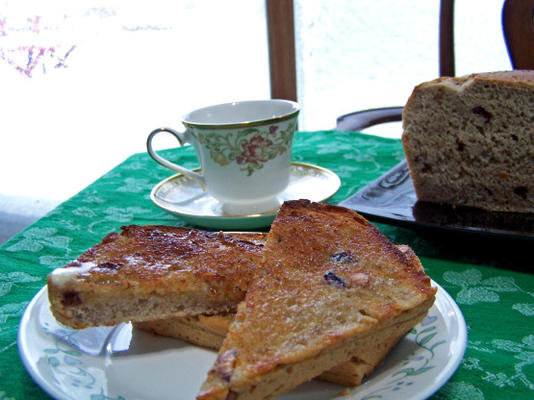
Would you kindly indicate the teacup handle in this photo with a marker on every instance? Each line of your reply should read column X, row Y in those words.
column 166, row 163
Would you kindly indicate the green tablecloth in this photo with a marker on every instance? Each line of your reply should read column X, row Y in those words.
column 492, row 284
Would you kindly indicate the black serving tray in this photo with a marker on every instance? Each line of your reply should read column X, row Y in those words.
column 391, row 199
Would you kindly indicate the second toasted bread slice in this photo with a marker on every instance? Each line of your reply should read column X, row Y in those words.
column 330, row 286
column 154, row 271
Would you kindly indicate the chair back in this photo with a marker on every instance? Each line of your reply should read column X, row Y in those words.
column 518, row 30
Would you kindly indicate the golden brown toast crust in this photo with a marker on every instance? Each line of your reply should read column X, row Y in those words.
column 329, row 278
column 153, row 271
column 201, row 330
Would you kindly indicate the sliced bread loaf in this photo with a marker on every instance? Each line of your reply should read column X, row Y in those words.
column 469, row 141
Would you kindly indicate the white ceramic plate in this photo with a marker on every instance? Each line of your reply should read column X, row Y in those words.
column 124, row 363
column 184, row 198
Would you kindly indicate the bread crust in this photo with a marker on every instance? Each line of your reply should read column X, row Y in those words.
column 329, row 279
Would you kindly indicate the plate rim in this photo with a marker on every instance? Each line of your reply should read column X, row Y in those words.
column 446, row 372
column 24, row 324
column 454, row 362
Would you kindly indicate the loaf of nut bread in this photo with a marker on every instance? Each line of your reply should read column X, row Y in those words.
column 330, row 286
column 154, row 271
column 469, row 141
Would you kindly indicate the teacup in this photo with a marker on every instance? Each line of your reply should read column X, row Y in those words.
column 244, row 151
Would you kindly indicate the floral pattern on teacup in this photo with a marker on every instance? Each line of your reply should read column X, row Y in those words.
column 250, row 148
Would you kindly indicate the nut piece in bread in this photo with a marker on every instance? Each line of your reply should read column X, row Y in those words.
column 153, row 271
column 469, row 141
column 330, row 286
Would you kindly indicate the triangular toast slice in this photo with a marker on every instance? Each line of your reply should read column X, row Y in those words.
column 330, row 286
column 210, row 330
column 153, row 271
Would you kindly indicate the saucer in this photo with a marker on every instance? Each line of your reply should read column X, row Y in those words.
column 183, row 197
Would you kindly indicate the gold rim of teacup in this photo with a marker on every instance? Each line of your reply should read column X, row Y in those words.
column 244, row 124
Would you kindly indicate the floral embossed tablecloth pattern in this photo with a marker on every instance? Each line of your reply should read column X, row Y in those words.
column 498, row 303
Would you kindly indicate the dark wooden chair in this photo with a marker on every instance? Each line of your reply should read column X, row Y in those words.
column 518, row 30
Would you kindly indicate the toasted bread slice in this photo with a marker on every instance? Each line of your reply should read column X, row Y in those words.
column 330, row 285
column 148, row 272
column 201, row 330
column 209, row 331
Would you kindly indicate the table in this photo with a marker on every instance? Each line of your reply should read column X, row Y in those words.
column 491, row 282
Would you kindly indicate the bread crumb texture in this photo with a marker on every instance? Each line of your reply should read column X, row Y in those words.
column 469, row 141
